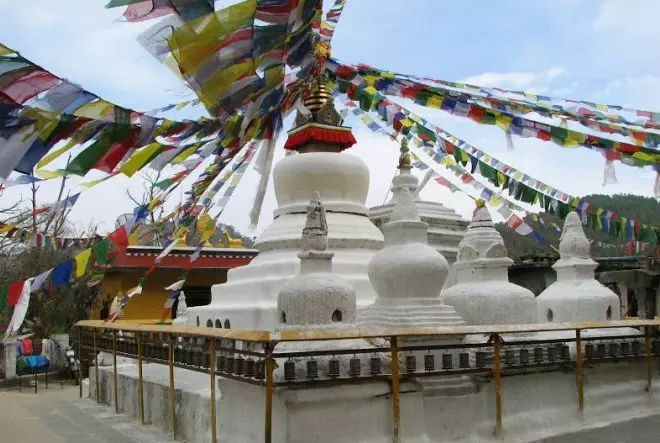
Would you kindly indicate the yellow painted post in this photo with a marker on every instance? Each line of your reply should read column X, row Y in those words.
column 96, row 368
column 138, row 338
column 579, row 369
column 170, row 362
column 497, row 368
column 270, row 367
column 649, row 358
column 396, row 413
column 114, row 369
column 79, row 358
column 212, row 374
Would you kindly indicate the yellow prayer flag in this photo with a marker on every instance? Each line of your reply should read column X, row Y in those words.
column 140, row 158
column 503, row 121
column 181, row 105
column 434, row 101
column 95, row 110
column 5, row 50
column 181, row 156
column 448, row 160
column 47, row 175
column 134, row 238
column 92, row 183
column 81, row 262
column 495, row 200
column 518, row 175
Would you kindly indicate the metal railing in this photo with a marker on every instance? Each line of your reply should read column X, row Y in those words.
column 251, row 356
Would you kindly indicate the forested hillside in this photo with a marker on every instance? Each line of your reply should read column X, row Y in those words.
column 643, row 209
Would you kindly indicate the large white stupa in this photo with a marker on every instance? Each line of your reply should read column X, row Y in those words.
column 249, row 297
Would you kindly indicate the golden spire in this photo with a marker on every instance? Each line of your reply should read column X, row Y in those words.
column 404, row 159
column 317, row 96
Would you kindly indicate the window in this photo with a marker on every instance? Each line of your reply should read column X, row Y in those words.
column 550, row 315
column 198, row 321
column 227, row 324
column 336, row 316
column 283, row 317
column 209, row 323
column 608, row 314
column 218, row 323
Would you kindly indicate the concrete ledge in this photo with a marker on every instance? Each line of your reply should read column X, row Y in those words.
column 535, row 406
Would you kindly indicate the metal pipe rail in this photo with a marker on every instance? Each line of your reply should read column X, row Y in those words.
column 250, row 356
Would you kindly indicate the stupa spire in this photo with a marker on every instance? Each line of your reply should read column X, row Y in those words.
column 318, row 126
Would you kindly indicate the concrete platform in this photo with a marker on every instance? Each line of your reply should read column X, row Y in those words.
column 58, row 415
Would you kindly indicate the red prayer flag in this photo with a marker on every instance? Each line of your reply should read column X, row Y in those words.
column 119, row 237
column 14, row 293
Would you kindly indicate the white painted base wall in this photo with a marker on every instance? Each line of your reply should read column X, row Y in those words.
column 534, row 406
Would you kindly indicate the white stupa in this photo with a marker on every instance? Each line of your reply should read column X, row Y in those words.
column 483, row 294
column 249, row 297
column 181, row 317
column 445, row 227
column 576, row 296
column 407, row 274
column 316, row 298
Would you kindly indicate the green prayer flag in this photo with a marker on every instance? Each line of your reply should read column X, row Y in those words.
column 100, row 251
column 4, row 290
column 86, row 159
column 648, row 235
column 427, row 136
column 488, row 172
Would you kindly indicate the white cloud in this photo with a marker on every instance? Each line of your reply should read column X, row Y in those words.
column 535, row 82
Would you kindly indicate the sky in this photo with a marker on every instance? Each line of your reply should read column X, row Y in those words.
column 603, row 51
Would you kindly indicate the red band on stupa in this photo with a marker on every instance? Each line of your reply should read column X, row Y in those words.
column 315, row 132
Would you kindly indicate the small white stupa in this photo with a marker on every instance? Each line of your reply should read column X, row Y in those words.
column 316, row 298
column 181, row 311
column 408, row 274
column 483, row 294
column 576, row 296
column 446, row 228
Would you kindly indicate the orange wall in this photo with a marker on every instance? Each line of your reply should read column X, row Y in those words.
column 149, row 304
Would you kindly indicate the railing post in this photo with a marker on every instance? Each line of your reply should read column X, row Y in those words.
column 270, row 367
column 497, row 369
column 396, row 413
column 138, row 338
column 80, row 385
column 96, row 368
column 212, row 374
column 579, row 369
column 114, row 369
column 649, row 358
column 170, row 363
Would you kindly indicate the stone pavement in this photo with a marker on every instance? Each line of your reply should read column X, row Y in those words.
column 58, row 415
column 638, row 430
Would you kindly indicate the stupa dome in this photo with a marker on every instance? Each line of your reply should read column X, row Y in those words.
column 342, row 180
column 483, row 294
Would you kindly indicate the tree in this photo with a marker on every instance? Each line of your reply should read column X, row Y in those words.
column 51, row 309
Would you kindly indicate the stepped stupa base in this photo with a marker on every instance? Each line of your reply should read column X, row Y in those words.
column 425, row 313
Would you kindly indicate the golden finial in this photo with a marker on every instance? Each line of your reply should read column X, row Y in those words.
column 404, row 159
column 318, row 96
column 481, row 203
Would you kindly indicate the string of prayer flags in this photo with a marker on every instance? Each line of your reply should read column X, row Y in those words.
column 645, row 119
column 520, row 186
column 368, row 84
